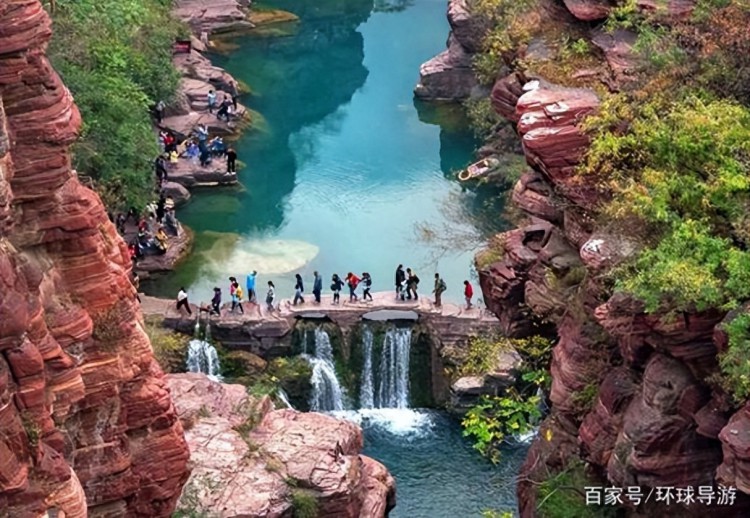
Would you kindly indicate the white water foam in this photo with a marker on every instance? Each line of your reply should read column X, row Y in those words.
column 397, row 421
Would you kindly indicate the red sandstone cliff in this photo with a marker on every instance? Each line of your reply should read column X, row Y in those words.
column 85, row 416
column 655, row 418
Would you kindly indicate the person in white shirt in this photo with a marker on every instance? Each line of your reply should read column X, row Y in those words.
column 182, row 300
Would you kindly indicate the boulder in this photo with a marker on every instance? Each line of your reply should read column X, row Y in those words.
column 177, row 192
column 212, row 16
column 465, row 27
column 589, row 10
column 448, row 76
column 237, row 442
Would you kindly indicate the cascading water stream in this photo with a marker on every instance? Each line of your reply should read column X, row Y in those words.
column 366, row 392
column 393, row 382
column 202, row 356
column 327, row 394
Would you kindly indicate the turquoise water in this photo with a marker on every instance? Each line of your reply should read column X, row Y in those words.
column 438, row 474
column 345, row 168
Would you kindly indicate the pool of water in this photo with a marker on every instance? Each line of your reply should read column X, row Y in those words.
column 438, row 474
column 344, row 170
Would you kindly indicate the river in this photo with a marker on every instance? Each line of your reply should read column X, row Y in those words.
column 344, row 169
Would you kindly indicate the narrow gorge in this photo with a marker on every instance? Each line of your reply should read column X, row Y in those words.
column 601, row 367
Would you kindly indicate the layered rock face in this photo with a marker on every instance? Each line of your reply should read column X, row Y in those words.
column 86, row 420
column 652, row 417
column 250, row 460
column 449, row 76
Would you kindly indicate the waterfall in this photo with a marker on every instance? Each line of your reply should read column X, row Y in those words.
column 393, row 382
column 284, row 398
column 202, row 356
column 327, row 394
column 366, row 394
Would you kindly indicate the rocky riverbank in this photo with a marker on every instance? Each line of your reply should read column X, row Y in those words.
column 251, row 460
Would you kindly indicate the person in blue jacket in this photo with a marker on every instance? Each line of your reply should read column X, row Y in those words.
column 250, row 285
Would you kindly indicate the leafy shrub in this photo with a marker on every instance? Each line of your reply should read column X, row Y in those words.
column 482, row 117
column 304, row 504
column 735, row 361
column 115, row 57
column 170, row 347
column 495, row 418
column 679, row 173
column 562, row 496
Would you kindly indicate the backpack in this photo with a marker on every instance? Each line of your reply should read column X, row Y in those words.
column 416, row 279
column 334, row 287
column 368, row 282
column 442, row 286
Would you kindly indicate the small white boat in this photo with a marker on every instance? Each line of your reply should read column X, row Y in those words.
column 478, row 169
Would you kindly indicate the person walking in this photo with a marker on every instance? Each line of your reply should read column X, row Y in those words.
column 231, row 160
column 216, row 302
column 250, row 285
column 352, row 281
column 182, row 301
column 336, row 285
column 468, row 294
column 211, row 100
column 270, row 296
column 238, row 297
column 400, row 278
column 367, row 281
column 299, row 289
column 440, row 287
column 412, row 281
column 317, row 286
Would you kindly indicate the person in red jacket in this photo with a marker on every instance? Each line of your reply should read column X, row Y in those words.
column 352, row 281
column 468, row 293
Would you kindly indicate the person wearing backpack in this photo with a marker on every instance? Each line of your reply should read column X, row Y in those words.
column 440, row 287
column 367, row 281
column 412, row 282
column 336, row 285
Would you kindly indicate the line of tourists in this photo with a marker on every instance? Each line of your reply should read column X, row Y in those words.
column 407, row 284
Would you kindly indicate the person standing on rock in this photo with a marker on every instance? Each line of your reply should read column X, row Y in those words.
column 159, row 111
column 237, row 297
column 182, row 301
column 299, row 288
column 336, row 285
column 270, row 296
column 440, row 287
column 250, row 285
column 367, row 281
column 317, row 286
column 468, row 294
column 211, row 100
column 400, row 278
column 216, row 302
column 231, row 160
column 412, row 281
